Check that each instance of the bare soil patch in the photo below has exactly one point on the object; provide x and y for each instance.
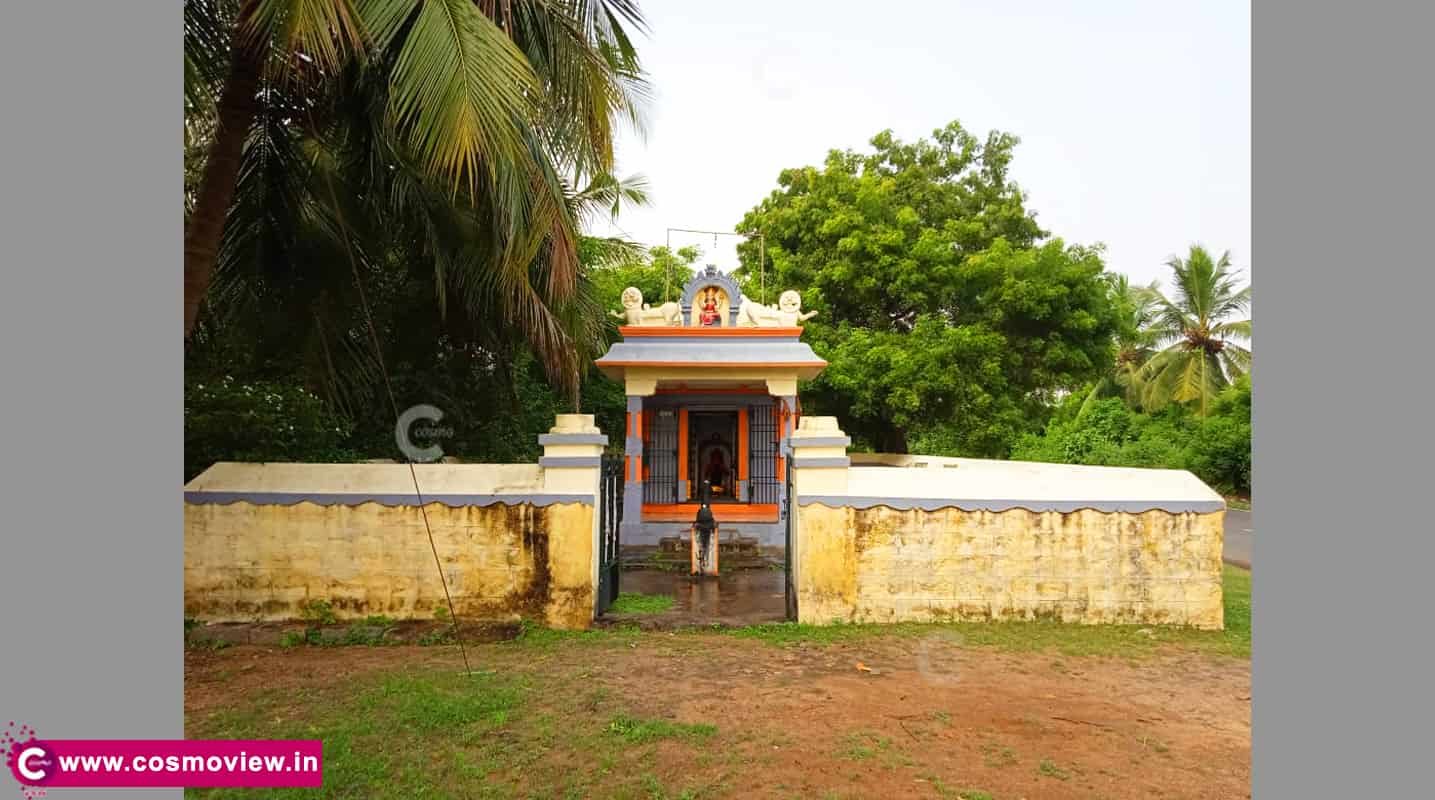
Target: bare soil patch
(920, 717)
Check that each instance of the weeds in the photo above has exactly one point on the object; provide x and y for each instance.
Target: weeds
(634, 603)
(1051, 770)
(635, 730)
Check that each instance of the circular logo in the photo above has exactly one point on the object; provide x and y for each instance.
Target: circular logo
(937, 655)
(402, 428)
(34, 763)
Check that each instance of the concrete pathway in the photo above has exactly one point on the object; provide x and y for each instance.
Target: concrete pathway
(1239, 534)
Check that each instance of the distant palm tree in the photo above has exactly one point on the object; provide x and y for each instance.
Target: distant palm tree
(1200, 329)
(1135, 343)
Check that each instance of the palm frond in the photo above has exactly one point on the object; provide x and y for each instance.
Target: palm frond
(461, 92)
(326, 31)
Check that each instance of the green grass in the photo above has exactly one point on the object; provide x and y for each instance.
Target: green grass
(634, 603)
(863, 745)
(635, 730)
(1066, 638)
(438, 734)
(401, 735)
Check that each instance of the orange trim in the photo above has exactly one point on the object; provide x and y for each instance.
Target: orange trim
(722, 512)
(683, 452)
(726, 364)
(636, 332)
(742, 444)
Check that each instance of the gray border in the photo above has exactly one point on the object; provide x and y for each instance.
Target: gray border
(91, 567)
(562, 462)
(831, 461)
(968, 504)
(821, 441)
(359, 498)
(573, 438)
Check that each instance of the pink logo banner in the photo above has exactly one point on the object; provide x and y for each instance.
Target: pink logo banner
(54, 763)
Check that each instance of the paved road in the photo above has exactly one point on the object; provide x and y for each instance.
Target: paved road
(1238, 538)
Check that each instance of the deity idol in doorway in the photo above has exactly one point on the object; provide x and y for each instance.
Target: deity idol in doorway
(716, 471)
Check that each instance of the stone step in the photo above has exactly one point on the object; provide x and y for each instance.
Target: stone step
(673, 553)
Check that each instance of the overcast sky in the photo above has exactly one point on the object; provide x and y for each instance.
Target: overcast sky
(1134, 117)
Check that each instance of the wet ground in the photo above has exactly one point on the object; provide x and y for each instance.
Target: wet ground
(738, 597)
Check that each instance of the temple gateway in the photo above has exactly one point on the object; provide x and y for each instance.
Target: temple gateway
(712, 396)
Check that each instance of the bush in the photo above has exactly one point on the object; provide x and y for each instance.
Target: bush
(1220, 453)
(1217, 449)
(229, 420)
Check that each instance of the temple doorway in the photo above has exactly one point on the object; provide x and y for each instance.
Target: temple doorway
(712, 452)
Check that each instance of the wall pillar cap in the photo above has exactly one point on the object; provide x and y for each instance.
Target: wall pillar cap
(818, 426)
(574, 423)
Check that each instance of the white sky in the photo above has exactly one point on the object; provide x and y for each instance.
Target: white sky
(1134, 117)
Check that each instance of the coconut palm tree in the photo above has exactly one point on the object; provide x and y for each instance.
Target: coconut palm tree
(1199, 330)
(500, 103)
(1135, 343)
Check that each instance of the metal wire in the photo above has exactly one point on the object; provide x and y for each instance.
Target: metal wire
(393, 403)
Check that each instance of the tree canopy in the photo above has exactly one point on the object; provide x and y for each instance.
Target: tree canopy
(944, 309)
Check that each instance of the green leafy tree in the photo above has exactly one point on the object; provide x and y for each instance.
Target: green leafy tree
(1199, 331)
(942, 311)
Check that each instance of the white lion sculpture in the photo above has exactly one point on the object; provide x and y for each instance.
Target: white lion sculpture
(636, 312)
(787, 312)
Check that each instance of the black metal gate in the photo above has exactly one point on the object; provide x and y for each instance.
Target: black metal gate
(762, 443)
(787, 524)
(610, 518)
(660, 458)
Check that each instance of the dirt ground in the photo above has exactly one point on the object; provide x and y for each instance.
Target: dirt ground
(921, 717)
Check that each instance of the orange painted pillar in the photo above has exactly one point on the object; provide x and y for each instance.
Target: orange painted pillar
(742, 454)
(685, 489)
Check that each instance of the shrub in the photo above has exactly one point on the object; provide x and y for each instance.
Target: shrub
(1220, 453)
(1217, 449)
(229, 420)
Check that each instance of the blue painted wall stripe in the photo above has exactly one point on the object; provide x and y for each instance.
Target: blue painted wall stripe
(573, 438)
(359, 498)
(570, 461)
(821, 441)
(1062, 506)
(834, 461)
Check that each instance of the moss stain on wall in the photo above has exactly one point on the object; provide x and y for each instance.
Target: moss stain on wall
(882, 564)
(247, 562)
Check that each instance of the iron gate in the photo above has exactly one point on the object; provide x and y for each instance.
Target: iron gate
(610, 518)
(660, 457)
(787, 522)
(762, 444)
